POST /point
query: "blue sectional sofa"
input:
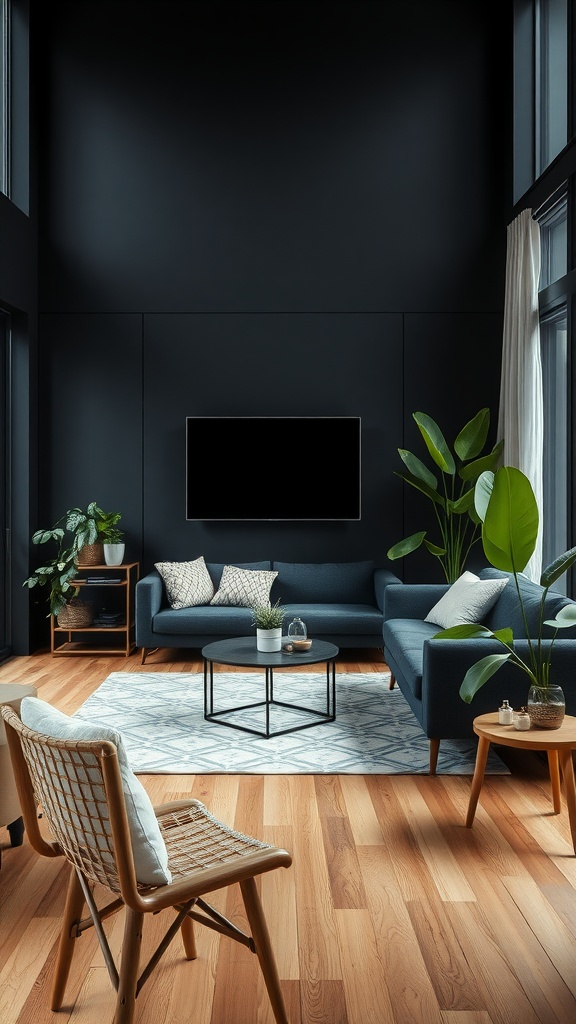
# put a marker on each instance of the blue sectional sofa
(429, 672)
(341, 602)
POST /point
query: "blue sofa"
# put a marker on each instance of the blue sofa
(341, 602)
(429, 672)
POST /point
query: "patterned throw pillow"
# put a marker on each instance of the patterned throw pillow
(244, 588)
(187, 583)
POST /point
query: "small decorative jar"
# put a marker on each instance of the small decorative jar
(505, 714)
(297, 630)
(521, 720)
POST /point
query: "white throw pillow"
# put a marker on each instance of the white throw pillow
(187, 583)
(467, 600)
(148, 847)
(244, 588)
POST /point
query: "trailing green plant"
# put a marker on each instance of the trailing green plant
(507, 507)
(452, 495)
(71, 533)
(268, 616)
(58, 573)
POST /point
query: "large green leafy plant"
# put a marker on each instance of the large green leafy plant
(70, 533)
(506, 504)
(452, 494)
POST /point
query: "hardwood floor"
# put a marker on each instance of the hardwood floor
(392, 912)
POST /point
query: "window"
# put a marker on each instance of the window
(553, 221)
(551, 80)
(554, 351)
(541, 84)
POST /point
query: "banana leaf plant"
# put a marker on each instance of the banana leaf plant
(452, 493)
(507, 507)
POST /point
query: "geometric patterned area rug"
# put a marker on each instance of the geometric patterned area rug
(161, 718)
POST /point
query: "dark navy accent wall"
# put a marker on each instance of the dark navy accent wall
(265, 208)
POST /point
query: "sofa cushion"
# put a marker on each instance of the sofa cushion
(326, 618)
(507, 612)
(204, 620)
(404, 643)
(148, 847)
(244, 588)
(469, 599)
(328, 582)
(187, 583)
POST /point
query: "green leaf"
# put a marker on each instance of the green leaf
(472, 437)
(42, 536)
(434, 549)
(406, 546)
(480, 673)
(510, 526)
(565, 617)
(417, 469)
(483, 493)
(463, 632)
(464, 504)
(504, 635)
(435, 442)
(421, 486)
(474, 469)
(557, 568)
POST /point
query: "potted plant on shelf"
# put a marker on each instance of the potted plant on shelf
(506, 505)
(452, 496)
(114, 546)
(89, 530)
(92, 529)
(268, 619)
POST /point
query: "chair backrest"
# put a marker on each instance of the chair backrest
(78, 785)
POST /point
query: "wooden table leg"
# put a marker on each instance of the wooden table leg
(567, 765)
(478, 779)
(554, 769)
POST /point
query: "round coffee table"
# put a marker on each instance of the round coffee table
(558, 744)
(242, 651)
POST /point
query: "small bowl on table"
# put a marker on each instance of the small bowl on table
(301, 645)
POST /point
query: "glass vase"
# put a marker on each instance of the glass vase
(546, 706)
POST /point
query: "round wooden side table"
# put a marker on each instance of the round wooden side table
(558, 744)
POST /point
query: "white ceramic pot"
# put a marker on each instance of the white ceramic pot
(269, 640)
(114, 553)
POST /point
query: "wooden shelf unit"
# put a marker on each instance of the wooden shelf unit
(123, 638)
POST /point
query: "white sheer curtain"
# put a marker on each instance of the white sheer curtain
(521, 420)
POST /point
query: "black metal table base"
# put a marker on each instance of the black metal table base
(318, 716)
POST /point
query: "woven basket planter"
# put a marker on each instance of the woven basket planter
(76, 614)
(91, 554)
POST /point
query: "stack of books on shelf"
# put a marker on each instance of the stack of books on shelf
(93, 580)
(109, 620)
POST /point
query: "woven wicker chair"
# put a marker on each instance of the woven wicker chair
(78, 786)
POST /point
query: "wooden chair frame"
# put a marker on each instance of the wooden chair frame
(204, 855)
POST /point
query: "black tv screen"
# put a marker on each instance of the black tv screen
(273, 467)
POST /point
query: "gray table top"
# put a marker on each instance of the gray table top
(242, 651)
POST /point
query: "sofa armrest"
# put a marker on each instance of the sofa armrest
(149, 592)
(412, 601)
(383, 578)
(447, 661)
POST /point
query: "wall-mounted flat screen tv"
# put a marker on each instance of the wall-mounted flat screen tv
(273, 468)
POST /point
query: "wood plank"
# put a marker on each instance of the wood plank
(445, 872)
(423, 947)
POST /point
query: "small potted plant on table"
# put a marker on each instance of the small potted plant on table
(268, 620)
